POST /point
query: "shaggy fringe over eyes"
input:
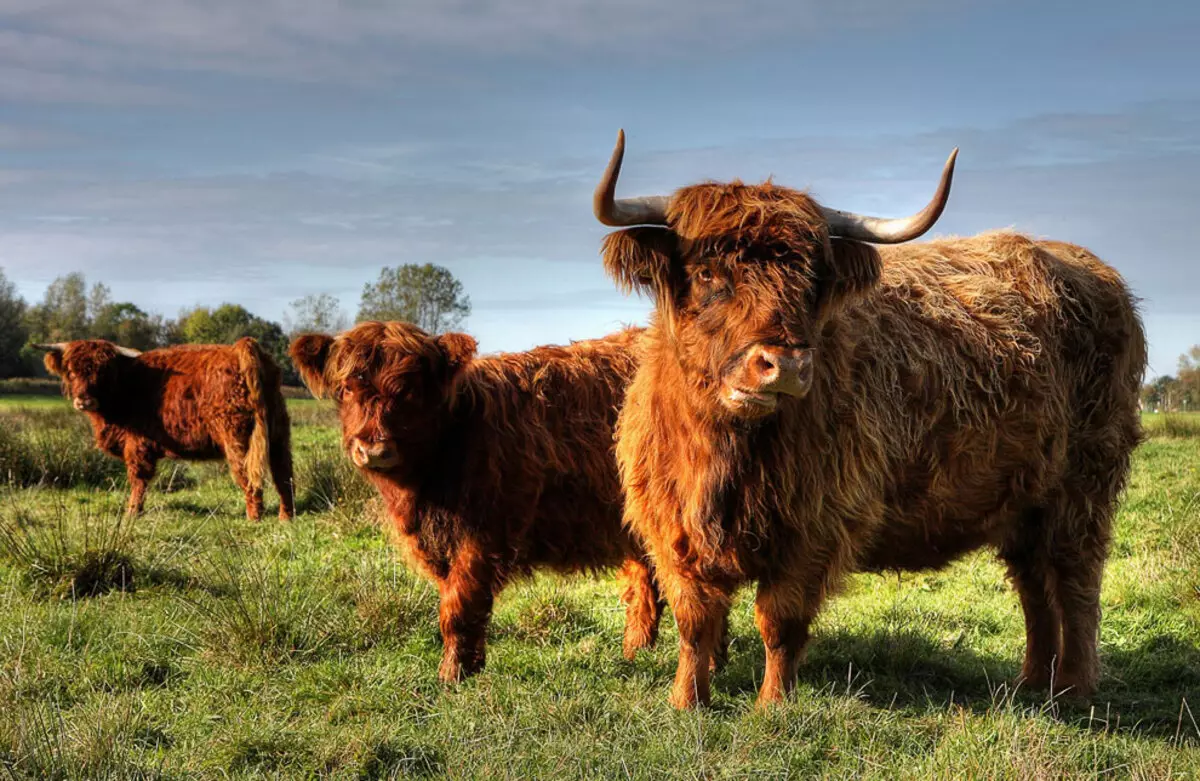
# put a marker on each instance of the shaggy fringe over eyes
(749, 215)
(372, 348)
(709, 218)
(762, 222)
(85, 358)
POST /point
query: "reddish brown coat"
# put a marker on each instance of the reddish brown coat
(191, 402)
(491, 467)
(964, 392)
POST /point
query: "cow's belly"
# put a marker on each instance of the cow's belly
(909, 544)
(190, 445)
(575, 529)
(932, 517)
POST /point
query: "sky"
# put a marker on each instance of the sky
(190, 152)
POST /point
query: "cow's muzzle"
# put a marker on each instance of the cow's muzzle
(84, 403)
(373, 455)
(764, 374)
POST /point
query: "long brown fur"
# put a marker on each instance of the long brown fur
(967, 392)
(191, 402)
(504, 464)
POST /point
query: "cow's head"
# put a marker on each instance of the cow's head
(745, 277)
(89, 369)
(392, 383)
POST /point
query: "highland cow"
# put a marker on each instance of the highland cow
(808, 405)
(490, 467)
(191, 402)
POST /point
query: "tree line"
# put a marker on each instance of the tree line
(1180, 393)
(424, 294)
(427, 295)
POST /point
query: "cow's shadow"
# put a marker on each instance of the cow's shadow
(1141, 689)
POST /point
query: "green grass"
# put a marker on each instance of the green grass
(195, 644)
(1178, 425)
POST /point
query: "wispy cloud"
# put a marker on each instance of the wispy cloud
(113, 50)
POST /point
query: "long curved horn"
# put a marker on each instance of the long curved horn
(128, 352)
(56, 347)
(619, 213)
(877, 230)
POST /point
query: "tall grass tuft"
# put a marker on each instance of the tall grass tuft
(329, 481)
(261, 609)
(70, 555)
(389, 601)
(53, 447)
(1172, 425)
(41, 744)
(313, 413)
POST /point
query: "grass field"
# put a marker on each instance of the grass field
(194, 643)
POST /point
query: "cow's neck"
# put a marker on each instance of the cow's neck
(133, 399)
(424, 490)
(703, 463)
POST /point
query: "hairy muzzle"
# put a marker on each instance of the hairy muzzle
(764, 373)
(373, 455)
(84, 403)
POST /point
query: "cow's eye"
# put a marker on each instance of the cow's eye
(704, 275)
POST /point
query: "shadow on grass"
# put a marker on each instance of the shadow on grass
(1151, 691)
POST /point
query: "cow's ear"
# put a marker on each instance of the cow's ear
(53, 359)
(848, 270)
(459, 350)
(53, 362)
(640, 258)
(310, 354)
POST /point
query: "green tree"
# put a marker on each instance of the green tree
(13, 333)
(63, 313)
(126, 325)
(1156, 394)
(230, 322)
(167, 331)
(427, 296)
(1189, 378)
(99, 299)
(315, 313)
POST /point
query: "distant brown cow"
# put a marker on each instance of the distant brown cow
(808, 405)
(491, 466)
(193, 402)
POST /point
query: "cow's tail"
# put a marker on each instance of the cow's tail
(252, 365)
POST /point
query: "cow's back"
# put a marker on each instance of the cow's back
(200, 396)
(542, 439)
(991, 362)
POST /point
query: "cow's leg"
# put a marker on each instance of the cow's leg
(699, 611)
(236, 455)
(1031, 575)
(281, 475)
(643, 606)
(464, 611)
(1079, 567)
(1079, 526)
(783, 613)
(720, 655)
(141, 461)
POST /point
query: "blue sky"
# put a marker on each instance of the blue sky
(199, 151)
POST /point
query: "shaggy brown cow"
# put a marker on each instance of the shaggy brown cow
(194, 402)
(490, 466)
(808, 405)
